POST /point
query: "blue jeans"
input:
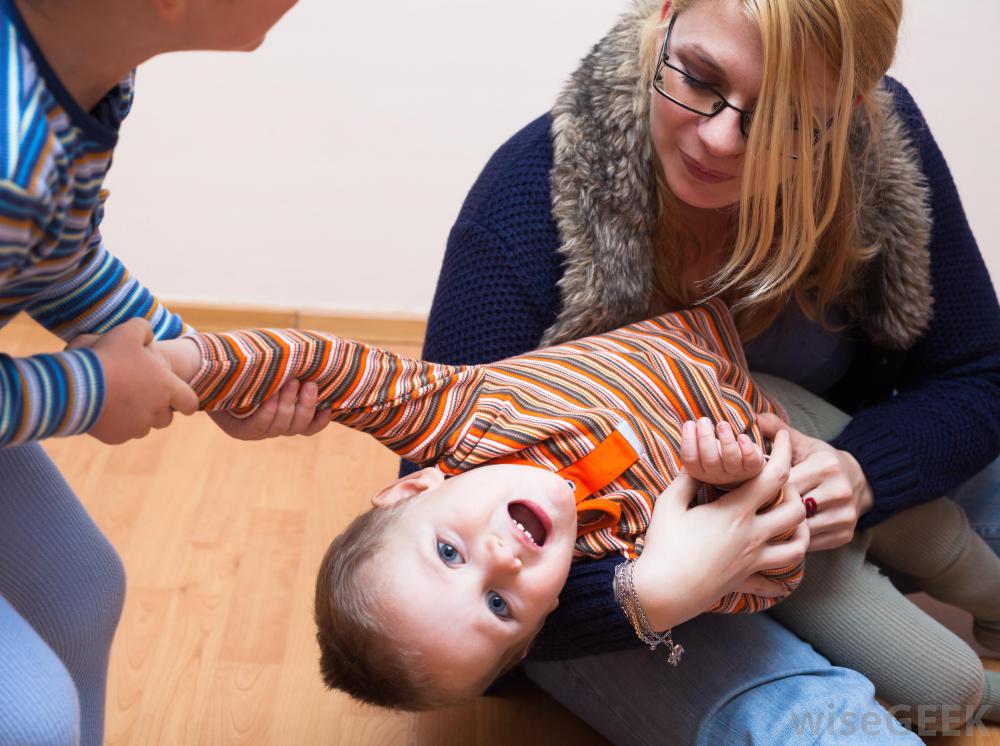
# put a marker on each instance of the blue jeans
(745, 679)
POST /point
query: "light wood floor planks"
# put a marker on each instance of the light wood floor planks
(221, 540)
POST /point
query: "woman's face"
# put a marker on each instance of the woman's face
(702, 157)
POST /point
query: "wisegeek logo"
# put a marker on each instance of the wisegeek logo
(930, 720)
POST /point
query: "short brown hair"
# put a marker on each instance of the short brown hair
(358, 653)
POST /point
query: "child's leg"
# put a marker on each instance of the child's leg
(61, 576)
(934, 544)
(38, 700)
(855, 617)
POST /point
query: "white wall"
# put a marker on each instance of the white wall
(325, 169)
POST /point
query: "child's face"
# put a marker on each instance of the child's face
(462, 582)
(228, 25)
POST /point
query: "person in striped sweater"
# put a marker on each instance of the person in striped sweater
(67, 68)
(561, 454)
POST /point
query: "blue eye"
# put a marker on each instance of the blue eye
(497, 605)
(448, 554)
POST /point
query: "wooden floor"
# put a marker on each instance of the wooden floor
(221, 540)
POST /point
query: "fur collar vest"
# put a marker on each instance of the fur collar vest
(604, 204)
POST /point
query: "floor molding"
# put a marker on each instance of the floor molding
(375, 328)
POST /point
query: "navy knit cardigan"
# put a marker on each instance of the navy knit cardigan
(497, 294)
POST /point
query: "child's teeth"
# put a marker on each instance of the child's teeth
(526, 531)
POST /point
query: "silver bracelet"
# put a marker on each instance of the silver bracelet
(629, 603)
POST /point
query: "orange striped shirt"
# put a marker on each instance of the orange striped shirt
(604, 411)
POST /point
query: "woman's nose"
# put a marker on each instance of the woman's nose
(721, 134)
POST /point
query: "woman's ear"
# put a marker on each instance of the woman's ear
(413, 484)
(665, 11)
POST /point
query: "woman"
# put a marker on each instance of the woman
(756, 154)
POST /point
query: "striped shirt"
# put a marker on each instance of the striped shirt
(53, 264)
(605, 412)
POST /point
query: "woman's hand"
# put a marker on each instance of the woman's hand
(693, 556)
(291, 411)
(832, 478)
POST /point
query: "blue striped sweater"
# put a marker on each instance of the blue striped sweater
(53, 264)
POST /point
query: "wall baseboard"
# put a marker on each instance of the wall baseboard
(374, 328)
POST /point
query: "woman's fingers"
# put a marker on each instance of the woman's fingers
(758, 585)
(287, 398)
(783, 517)
(830, 540)
(305, 409)
(679, 493)
(786, 553)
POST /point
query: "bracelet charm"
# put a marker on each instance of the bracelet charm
(628, 600)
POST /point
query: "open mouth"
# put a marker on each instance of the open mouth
(531, 520)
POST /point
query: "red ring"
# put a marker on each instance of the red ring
(811, 507)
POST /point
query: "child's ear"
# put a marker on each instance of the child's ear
(664, 11)
(410, 485)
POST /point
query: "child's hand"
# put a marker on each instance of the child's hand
(182, 355)
(291, 411)
(716, 455)
(693, 556)
(141, 391)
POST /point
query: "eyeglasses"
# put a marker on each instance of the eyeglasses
(685, 90)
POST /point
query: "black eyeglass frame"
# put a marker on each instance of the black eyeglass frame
(746, 117)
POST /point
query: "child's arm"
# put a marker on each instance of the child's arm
(717, 456)
(413, 407)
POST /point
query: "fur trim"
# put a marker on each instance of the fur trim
(604, 204)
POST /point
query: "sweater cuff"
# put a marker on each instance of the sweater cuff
(47, 396)
(887, 463)
(588, 619)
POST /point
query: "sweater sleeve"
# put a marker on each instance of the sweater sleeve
(62, 394)
(422, 411)
(97, 294)
(46, 396)
(943, 424)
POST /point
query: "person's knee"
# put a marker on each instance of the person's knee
(830, 705)
(949, 698)
(90, 605)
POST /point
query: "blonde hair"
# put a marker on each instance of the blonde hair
(795, 233)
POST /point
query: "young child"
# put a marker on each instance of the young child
(609, 421)
(67, 71)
